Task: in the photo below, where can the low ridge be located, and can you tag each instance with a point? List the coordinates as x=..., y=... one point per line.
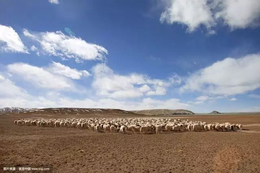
x=164, y=112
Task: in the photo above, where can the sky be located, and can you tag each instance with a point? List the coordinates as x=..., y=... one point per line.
x=201, y=55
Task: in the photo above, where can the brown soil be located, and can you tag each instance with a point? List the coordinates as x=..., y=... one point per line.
x=77, y=150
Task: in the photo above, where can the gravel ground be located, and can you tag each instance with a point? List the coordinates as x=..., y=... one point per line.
x=79, y=150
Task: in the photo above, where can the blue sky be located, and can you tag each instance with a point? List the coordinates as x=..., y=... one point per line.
x=198, y=55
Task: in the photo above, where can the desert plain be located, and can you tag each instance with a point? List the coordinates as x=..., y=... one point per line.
x=80, y=150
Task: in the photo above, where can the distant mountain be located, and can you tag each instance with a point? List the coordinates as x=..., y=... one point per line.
x=164, y=112
x=80, y=111
x=13, y=110
x=214, y=112
x=16, y=110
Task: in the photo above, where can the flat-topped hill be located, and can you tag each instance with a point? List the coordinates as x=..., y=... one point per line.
x=164, y=112
x=214, y=112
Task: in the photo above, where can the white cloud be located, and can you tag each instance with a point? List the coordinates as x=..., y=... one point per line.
x=239, y=13
x=189, y=12
x=250, y=109
x=27, y=102
x=196, y=102
x=193, y=13
x=33, y=48
x=28, y=34
x=233, y=99
x=14, y=96
x=131, y=93
x=9, y=89
x=61, y=45
x=10, y=40
x=55, y=76
x=54, y=1
x=202, y=98
x=107, y=83
x=227, y=77
x=149, y=103
x=145, y=88
x=256, y=96
x=66, y=71
x=205, y=99
x=41, y=102
x=158, y=91
x=40, y=77
x=175, y=79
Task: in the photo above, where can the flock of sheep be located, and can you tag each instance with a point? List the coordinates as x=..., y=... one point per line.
x=131, y=125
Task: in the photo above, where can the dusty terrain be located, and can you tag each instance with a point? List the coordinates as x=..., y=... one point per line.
x=78, y=150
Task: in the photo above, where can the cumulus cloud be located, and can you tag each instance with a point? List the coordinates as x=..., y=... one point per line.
x=255, y=96
x=175, y=79
x=35, y=49
x=239, y=13
x=61, y=45
x=66, y=71
x=14, y=96
x=235, y=13
x=202, y=98
x=39, y=76
x=233, y=99
x=10, y=40
x=9, y=89
x=41, y=102
x=157, y=91
x=55, y=77
x=54, y=1
x=189, y=12
x=149, y=103
x=227, y=77
x=61, y=79
x=145, y=88
x=107, y=83
x=27, y=102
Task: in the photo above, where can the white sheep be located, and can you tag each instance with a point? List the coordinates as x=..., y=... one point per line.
x=131, y=125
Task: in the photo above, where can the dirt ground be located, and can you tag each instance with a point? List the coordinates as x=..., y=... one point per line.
x=78, y=150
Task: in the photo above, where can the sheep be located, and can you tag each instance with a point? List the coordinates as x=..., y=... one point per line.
x=56, y=124
x=210, y=127
x=218, y=127
x=168, y=127
x=195, y=127
x=123, y=129
x=131, y=125
x=113, y=129
x=183, y=127
x=159, y=128
x=147, y=129
x=134, y=129
x=92, y=127
x=20, y=122
x=98, y=128
x=74, y=124
x=189, y=127
x=227, y=127
x=106, y=128
x=78, y=125
x=175, y=128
